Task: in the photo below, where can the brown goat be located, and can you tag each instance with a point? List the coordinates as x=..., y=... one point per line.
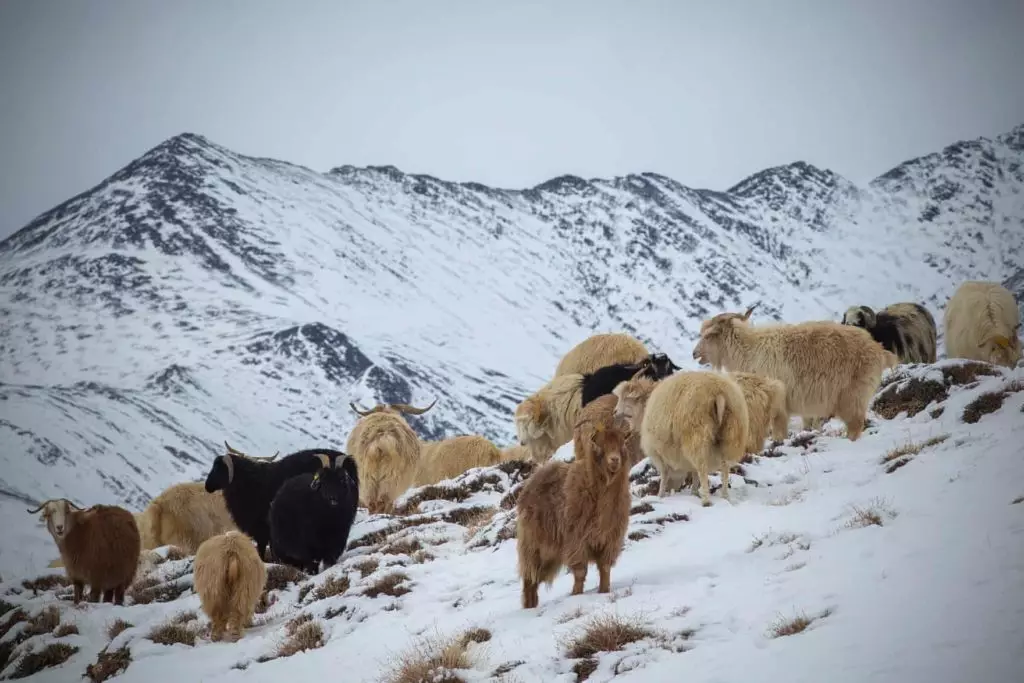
x=575, y=513
x=603, y=407
x=98, y=546
x=229, y=577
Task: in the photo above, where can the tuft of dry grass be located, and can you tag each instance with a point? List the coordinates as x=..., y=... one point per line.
x=638, y=535
x=109, y=664
x=911, y=396
x=280, y=576
x=788, y=626
x=334, y=585
x=641, y=509
x=584, y=668
x=303, y=633
x=605, y=633
x=967, y=372
x=404, y=546
x=389, y=584
x=177, y=630
x=150, y=589
x=117, y=627
x=986, y=403
x=51, y=656
x=803, y=439
x=436, y=659
x=874, y=514
x=366, y=566
x=902, y=454
x=44, y=621
x=65, y=630
x=47, y=582
x=266, y=601
x=571, y=615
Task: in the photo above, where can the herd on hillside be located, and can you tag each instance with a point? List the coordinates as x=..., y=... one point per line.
x=617, y=402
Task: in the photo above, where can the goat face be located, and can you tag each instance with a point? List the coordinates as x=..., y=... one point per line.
x=221, y=474
x=859, y=316
x=531, y=421
x=662, y=366
x=602, y=444
x=712, y=333
x=331, y=483
x=58, y=517
x=632, y=397
x=1000, y=350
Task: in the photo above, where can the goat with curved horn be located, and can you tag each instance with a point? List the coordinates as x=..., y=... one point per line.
x=411, y=410
x=750, y=309
x=52, y=500
x=361, y=413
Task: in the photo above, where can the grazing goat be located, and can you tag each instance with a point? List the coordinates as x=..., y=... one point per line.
x=249, y=487
x=184, y=515
x=575, y=513
x=229, y=576
x=828, y=368
x=603, y=380
x=982, y=322
x=766, y=408
x=449, y=458
x=600, y=350
x=691, y=420
x=312, y=514
x=386, y=449
x=544, y=420
x=98, y=546
x=906, y=329
x=515, y=452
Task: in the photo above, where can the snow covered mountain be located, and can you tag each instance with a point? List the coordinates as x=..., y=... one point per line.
x=199, y=295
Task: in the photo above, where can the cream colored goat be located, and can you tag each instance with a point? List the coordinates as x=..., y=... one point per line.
x=449, y=458
x=184, y=515
x=766, y=408
x=600, y=350
x=982, y=322
x=544, y=420
x=229, y=577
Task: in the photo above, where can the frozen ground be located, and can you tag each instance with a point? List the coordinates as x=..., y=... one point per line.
x=910, y=570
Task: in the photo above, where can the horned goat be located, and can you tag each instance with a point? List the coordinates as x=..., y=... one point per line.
x=906, y=329
x=600, y=350
x=447, y=459
x=982, y=322
x=98, y=546
x=603, y=380
x=691, y=420
x=229, y=576
x=312, y=514
x=575, y=513
x=828, y=368
x=386, y=450
x=766, y=408
x=184, y=515
x=249, y=486
x=544, y=420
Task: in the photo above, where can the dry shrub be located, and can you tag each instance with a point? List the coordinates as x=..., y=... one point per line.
x=177, y=630
x=280, y=576
x=986, y=403
x=788, y=626
x=874, y=514
x=967, y=372
x=48, y=657
x=405, y=546
x=803, y=440
x=334, y=585
x=65, y=630
x=666, y=519
x=366, y=566
x=303, y=633
x=117, y=627
x=912, y=396
x=641, y=509
x=390, y=584
x=109, y=664
x=265, y=602
x=45, y=620
x=637, y=535
x=151, y=589
x=901, y=455
x=436, y=659
x=605, y=633
x=47, y=582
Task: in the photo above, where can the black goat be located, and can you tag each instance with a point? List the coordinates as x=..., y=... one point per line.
x=312, y=514
x=656, y=366
x=249, y=487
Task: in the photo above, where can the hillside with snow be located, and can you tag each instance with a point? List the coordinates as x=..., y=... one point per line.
x=896, y=558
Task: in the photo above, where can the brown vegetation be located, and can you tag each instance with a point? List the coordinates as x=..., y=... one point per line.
x=179, y=629
x=788, y=626
x=901, y=455
x=389, y=584
x=436, y=659
x=984, y=404
x=50, y=656
x=109, y=664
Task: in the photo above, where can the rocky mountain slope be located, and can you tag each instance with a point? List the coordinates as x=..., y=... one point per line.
x=199, y=295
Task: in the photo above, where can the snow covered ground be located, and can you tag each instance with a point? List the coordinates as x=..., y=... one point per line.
x=910, y=567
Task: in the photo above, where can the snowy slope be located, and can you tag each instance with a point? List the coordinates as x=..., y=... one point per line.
x=929, y=589
x=199, y=295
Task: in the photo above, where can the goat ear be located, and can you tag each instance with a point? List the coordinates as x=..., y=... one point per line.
x=538, y=412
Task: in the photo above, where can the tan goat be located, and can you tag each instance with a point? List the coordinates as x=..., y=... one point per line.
x=691, y=420
x=229, y=577
x=184, y=515
x=544, y=420
x=575, y=513
x=828, y=368
x=386, y=451
x=982, y=322
x=766, y=408
x=600, y=350
x=449, y=458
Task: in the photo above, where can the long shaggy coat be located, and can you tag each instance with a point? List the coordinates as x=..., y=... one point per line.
x=386, y=451
x=184, y=515
x=906, y=329
x=575, y=513
x=449, y=458
x=600, y=350
x=982, y=322
x=544, y=421
x=766, y=408
x=229, y=577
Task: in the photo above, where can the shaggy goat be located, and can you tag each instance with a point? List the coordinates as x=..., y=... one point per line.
x=249, y=487
x=544, y=420
x=906, y=329
x=386, y=449
x=691, y=420
x=600, y=350
x=449, y=458
x=603, y=408
x=603, y=380
x=229, y=576
x=515, y=452
x=766, y=408
x=98, y=546
x=982, y=322
x=575, y=513
x=828, y=368
x=312, y=514
x=184, y=515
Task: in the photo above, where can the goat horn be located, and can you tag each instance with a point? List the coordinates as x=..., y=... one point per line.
x=412, y=410
x=41, y=506
x=230, y=465
x=232, y=450
x=751, y=309
x=265, y=459
x=325, y=460
x=362, y=413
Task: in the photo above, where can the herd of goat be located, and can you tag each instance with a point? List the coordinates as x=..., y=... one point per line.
x=616, y=401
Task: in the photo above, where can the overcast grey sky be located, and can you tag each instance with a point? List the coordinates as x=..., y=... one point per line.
x=508, y=93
